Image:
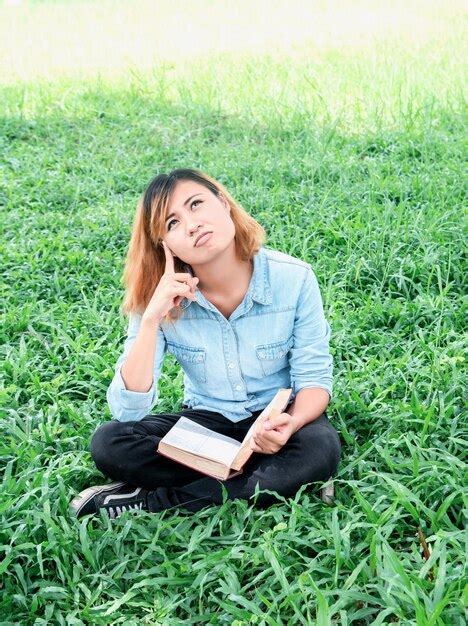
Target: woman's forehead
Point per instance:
(184, 188)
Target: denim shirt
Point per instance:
(276, 337)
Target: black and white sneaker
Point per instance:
(114, 497)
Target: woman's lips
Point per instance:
(203, 239)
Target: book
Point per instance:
(212, 453)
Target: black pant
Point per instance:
(126, 451)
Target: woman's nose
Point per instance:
(194, 230)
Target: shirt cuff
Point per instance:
(133, 399)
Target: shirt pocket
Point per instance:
(273, 357)
(192, 360)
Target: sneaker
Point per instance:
(114, 497)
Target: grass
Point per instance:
(351, 154)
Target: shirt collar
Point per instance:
(259, 283)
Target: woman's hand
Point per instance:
(171, 289)
(271, 436)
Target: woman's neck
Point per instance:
(224, 275)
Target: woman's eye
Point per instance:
(174, 220)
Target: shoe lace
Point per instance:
(124, 507)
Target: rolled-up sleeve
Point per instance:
(310, 359)
(126, 405)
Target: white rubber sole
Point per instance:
(85, 496)
(327, 493)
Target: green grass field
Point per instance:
(349, 147)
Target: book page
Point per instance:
(192, 437)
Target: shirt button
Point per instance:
(200, 358)
(231, 365)
(238, 386)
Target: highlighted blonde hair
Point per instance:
(146, 260)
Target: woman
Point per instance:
(243, 321)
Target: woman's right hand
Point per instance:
(171, 289)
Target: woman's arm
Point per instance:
(309, 404)
(310, 360)
(130, 398)
(137, 370)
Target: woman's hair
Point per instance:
(146, 260)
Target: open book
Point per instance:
(210, 452)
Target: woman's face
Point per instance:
(197, 210)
